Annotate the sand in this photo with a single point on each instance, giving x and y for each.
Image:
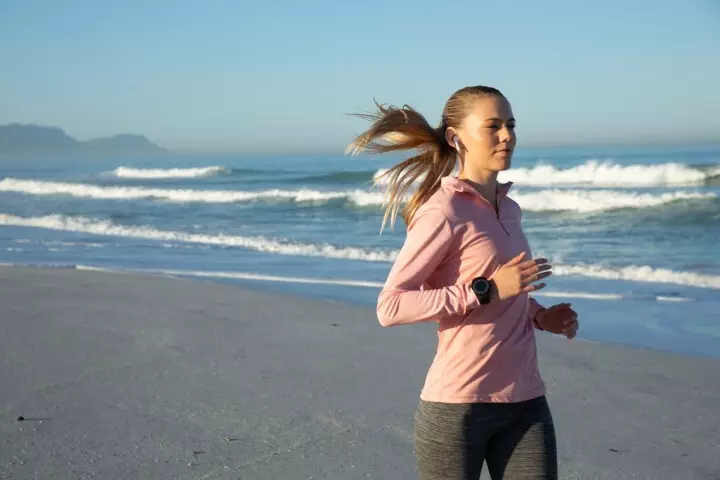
(123, 376)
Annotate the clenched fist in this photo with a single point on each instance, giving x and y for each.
(559, 319)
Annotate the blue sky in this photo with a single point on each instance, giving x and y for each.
(282, 75)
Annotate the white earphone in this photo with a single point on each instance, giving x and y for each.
(457, 144)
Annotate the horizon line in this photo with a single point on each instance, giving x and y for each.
(700, 143)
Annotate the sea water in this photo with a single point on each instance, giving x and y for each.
(632, 232)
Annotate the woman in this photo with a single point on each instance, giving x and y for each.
(466, 265)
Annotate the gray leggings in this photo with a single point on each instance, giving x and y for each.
(517, 440)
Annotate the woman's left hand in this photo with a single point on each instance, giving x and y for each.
(559, 319)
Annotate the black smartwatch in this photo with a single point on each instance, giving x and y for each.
(482, 288)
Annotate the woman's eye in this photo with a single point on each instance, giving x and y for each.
(511, 127)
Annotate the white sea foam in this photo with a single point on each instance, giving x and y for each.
(640, 273)
(607, 296)
(570, 199)
(40, 187)
(364, 283)
(75, 244)
(608, 173)
(601, 173)
(633, 273)
(261, 244)
(266, 278)
(541, 200)
(127, 172)
(661, 298)
(584, 295)
(598, 200)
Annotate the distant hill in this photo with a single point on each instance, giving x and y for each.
(17, 138)
(123, 143)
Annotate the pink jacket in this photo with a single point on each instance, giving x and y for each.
(485, 353)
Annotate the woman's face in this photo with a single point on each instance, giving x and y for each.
(487, 136)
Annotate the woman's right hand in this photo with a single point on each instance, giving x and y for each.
(516, 277)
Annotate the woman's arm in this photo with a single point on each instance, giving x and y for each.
(533, 308)
(402, 301)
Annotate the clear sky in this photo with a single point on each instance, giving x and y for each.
(282, 75)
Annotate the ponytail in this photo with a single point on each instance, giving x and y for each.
(403, 129)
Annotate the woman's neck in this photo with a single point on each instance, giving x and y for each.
(485, 182)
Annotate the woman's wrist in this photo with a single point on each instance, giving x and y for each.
(536, 319)
(494, 292)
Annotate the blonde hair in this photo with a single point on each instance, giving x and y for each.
(404, 128)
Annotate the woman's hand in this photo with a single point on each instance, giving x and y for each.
(559, 319)
(516, 277)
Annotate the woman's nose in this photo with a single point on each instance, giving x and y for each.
(505, 135)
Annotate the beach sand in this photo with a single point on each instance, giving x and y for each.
(123, 376)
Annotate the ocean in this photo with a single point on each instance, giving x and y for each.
(633, 232)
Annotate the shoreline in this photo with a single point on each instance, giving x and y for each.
(140, 376)
(305, 288)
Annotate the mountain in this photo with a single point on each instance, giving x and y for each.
(124, 143)
(17, 138)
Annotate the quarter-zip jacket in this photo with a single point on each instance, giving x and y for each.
(485, 353)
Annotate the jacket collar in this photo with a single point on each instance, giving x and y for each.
(455, 184)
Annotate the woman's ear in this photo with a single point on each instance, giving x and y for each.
(452, 138)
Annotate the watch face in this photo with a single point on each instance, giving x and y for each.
(481, 286)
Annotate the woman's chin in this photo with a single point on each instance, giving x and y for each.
(501, 164)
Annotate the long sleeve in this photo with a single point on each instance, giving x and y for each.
(533, 308)
(402, 299)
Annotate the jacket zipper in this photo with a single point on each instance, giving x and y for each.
(503, 226)
(497, 213)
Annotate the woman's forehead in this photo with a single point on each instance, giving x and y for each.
(493, 107)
